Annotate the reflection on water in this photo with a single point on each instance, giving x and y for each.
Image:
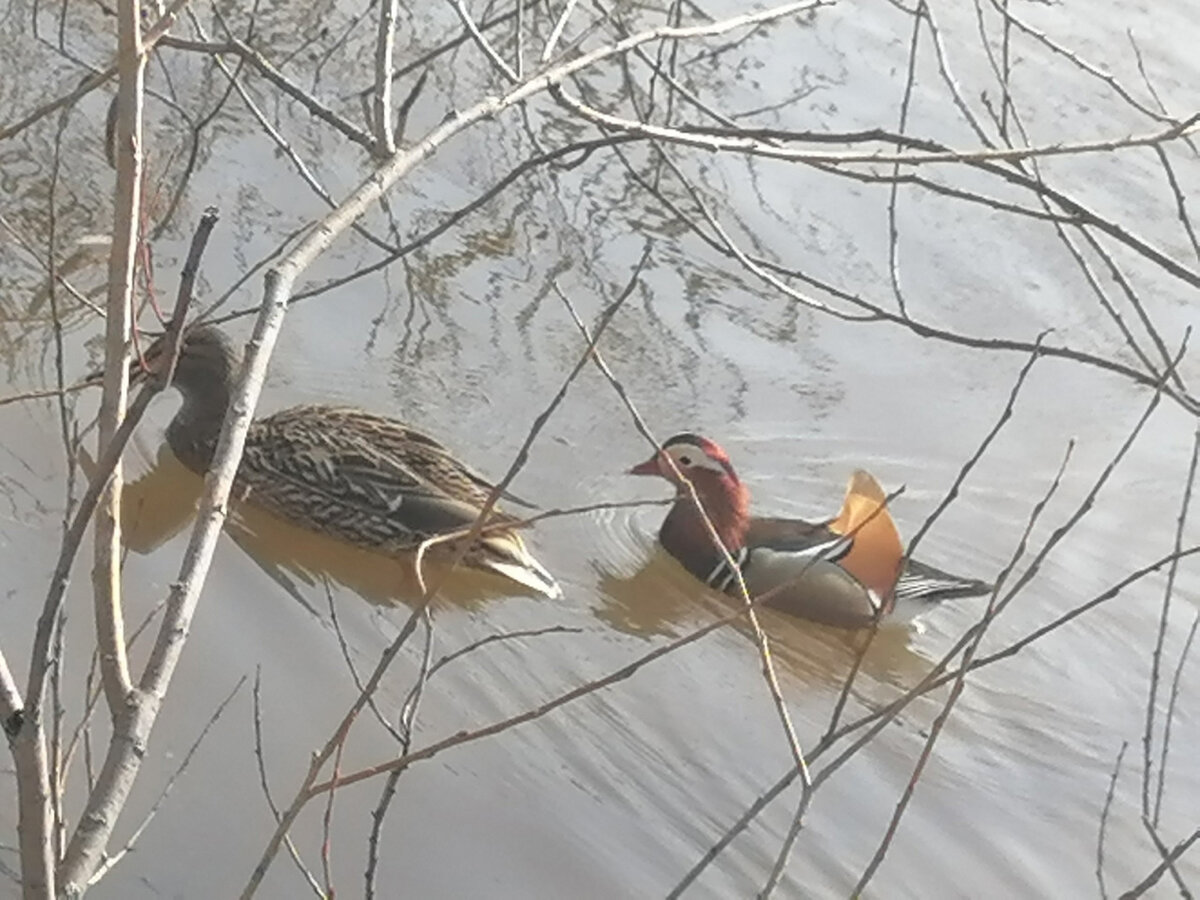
(621, 793)
(159, 504)
(659, 599)
(663, 599)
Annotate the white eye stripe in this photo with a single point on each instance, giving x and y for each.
(689, 456)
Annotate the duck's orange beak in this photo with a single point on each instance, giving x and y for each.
(649, 467)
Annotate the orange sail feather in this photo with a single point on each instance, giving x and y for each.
(877, 553)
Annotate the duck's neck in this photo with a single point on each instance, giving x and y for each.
(684, 533)
(192, 434)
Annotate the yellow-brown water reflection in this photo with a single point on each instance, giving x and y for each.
(662, 598)
(162, 502)
(659, 599)
(617, 795)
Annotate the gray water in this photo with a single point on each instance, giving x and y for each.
(620, 793)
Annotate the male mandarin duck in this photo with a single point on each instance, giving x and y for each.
(359, 477)
(844, 572)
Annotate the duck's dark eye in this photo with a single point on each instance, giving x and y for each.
(685, 460)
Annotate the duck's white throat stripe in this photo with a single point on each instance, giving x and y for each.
(722, 576)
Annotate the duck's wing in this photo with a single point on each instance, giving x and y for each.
(817, 589)
(874, 552)
(802, 575)
(784, 534)
(796, 565)
(367, 484)
(837, 572)
(862, 538)
(402, 441)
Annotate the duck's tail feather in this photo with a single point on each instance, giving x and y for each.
(921, 582)
(506, 555)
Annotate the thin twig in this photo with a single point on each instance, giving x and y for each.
(92, 692)
(344, 647)
(483, 43)
(46, 394)
(1165, 855)
(1156, 873)
(57, 771)
(327, 826)
(1077, 60)
(994, 605)
(763, 268)
(236, 46)
(51, 267)
(464, 541)
(131, 843)
(761, 642)
(379, 814)
(1108, 799)
(1118, 232)
(875, 721)
(302, 169)
(149, 38)
(890, 711)
(893, 232)
(264, 783)
(1005, 415)
(1170, 717)
(951, 495)
(1160, 639)
(753, 146)
(501, 636)
(582, 150)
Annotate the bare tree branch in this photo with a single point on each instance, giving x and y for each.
(1156, 873)
(86, 847)
(1156, 659)
(149, 38)
(384, 49)
(131, 843)
(1108, 799)
(483, 43)
(122, 262)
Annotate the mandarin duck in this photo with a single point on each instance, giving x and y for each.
(845, 572)
(362, 478)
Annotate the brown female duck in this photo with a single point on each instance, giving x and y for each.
(362, 478)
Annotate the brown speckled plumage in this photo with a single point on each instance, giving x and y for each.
(363, 478)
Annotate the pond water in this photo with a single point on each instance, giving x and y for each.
(621, 792)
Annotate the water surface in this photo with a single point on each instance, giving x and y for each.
(620, 793)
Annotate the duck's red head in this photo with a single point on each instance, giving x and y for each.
(707, 467)
(693, 455)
